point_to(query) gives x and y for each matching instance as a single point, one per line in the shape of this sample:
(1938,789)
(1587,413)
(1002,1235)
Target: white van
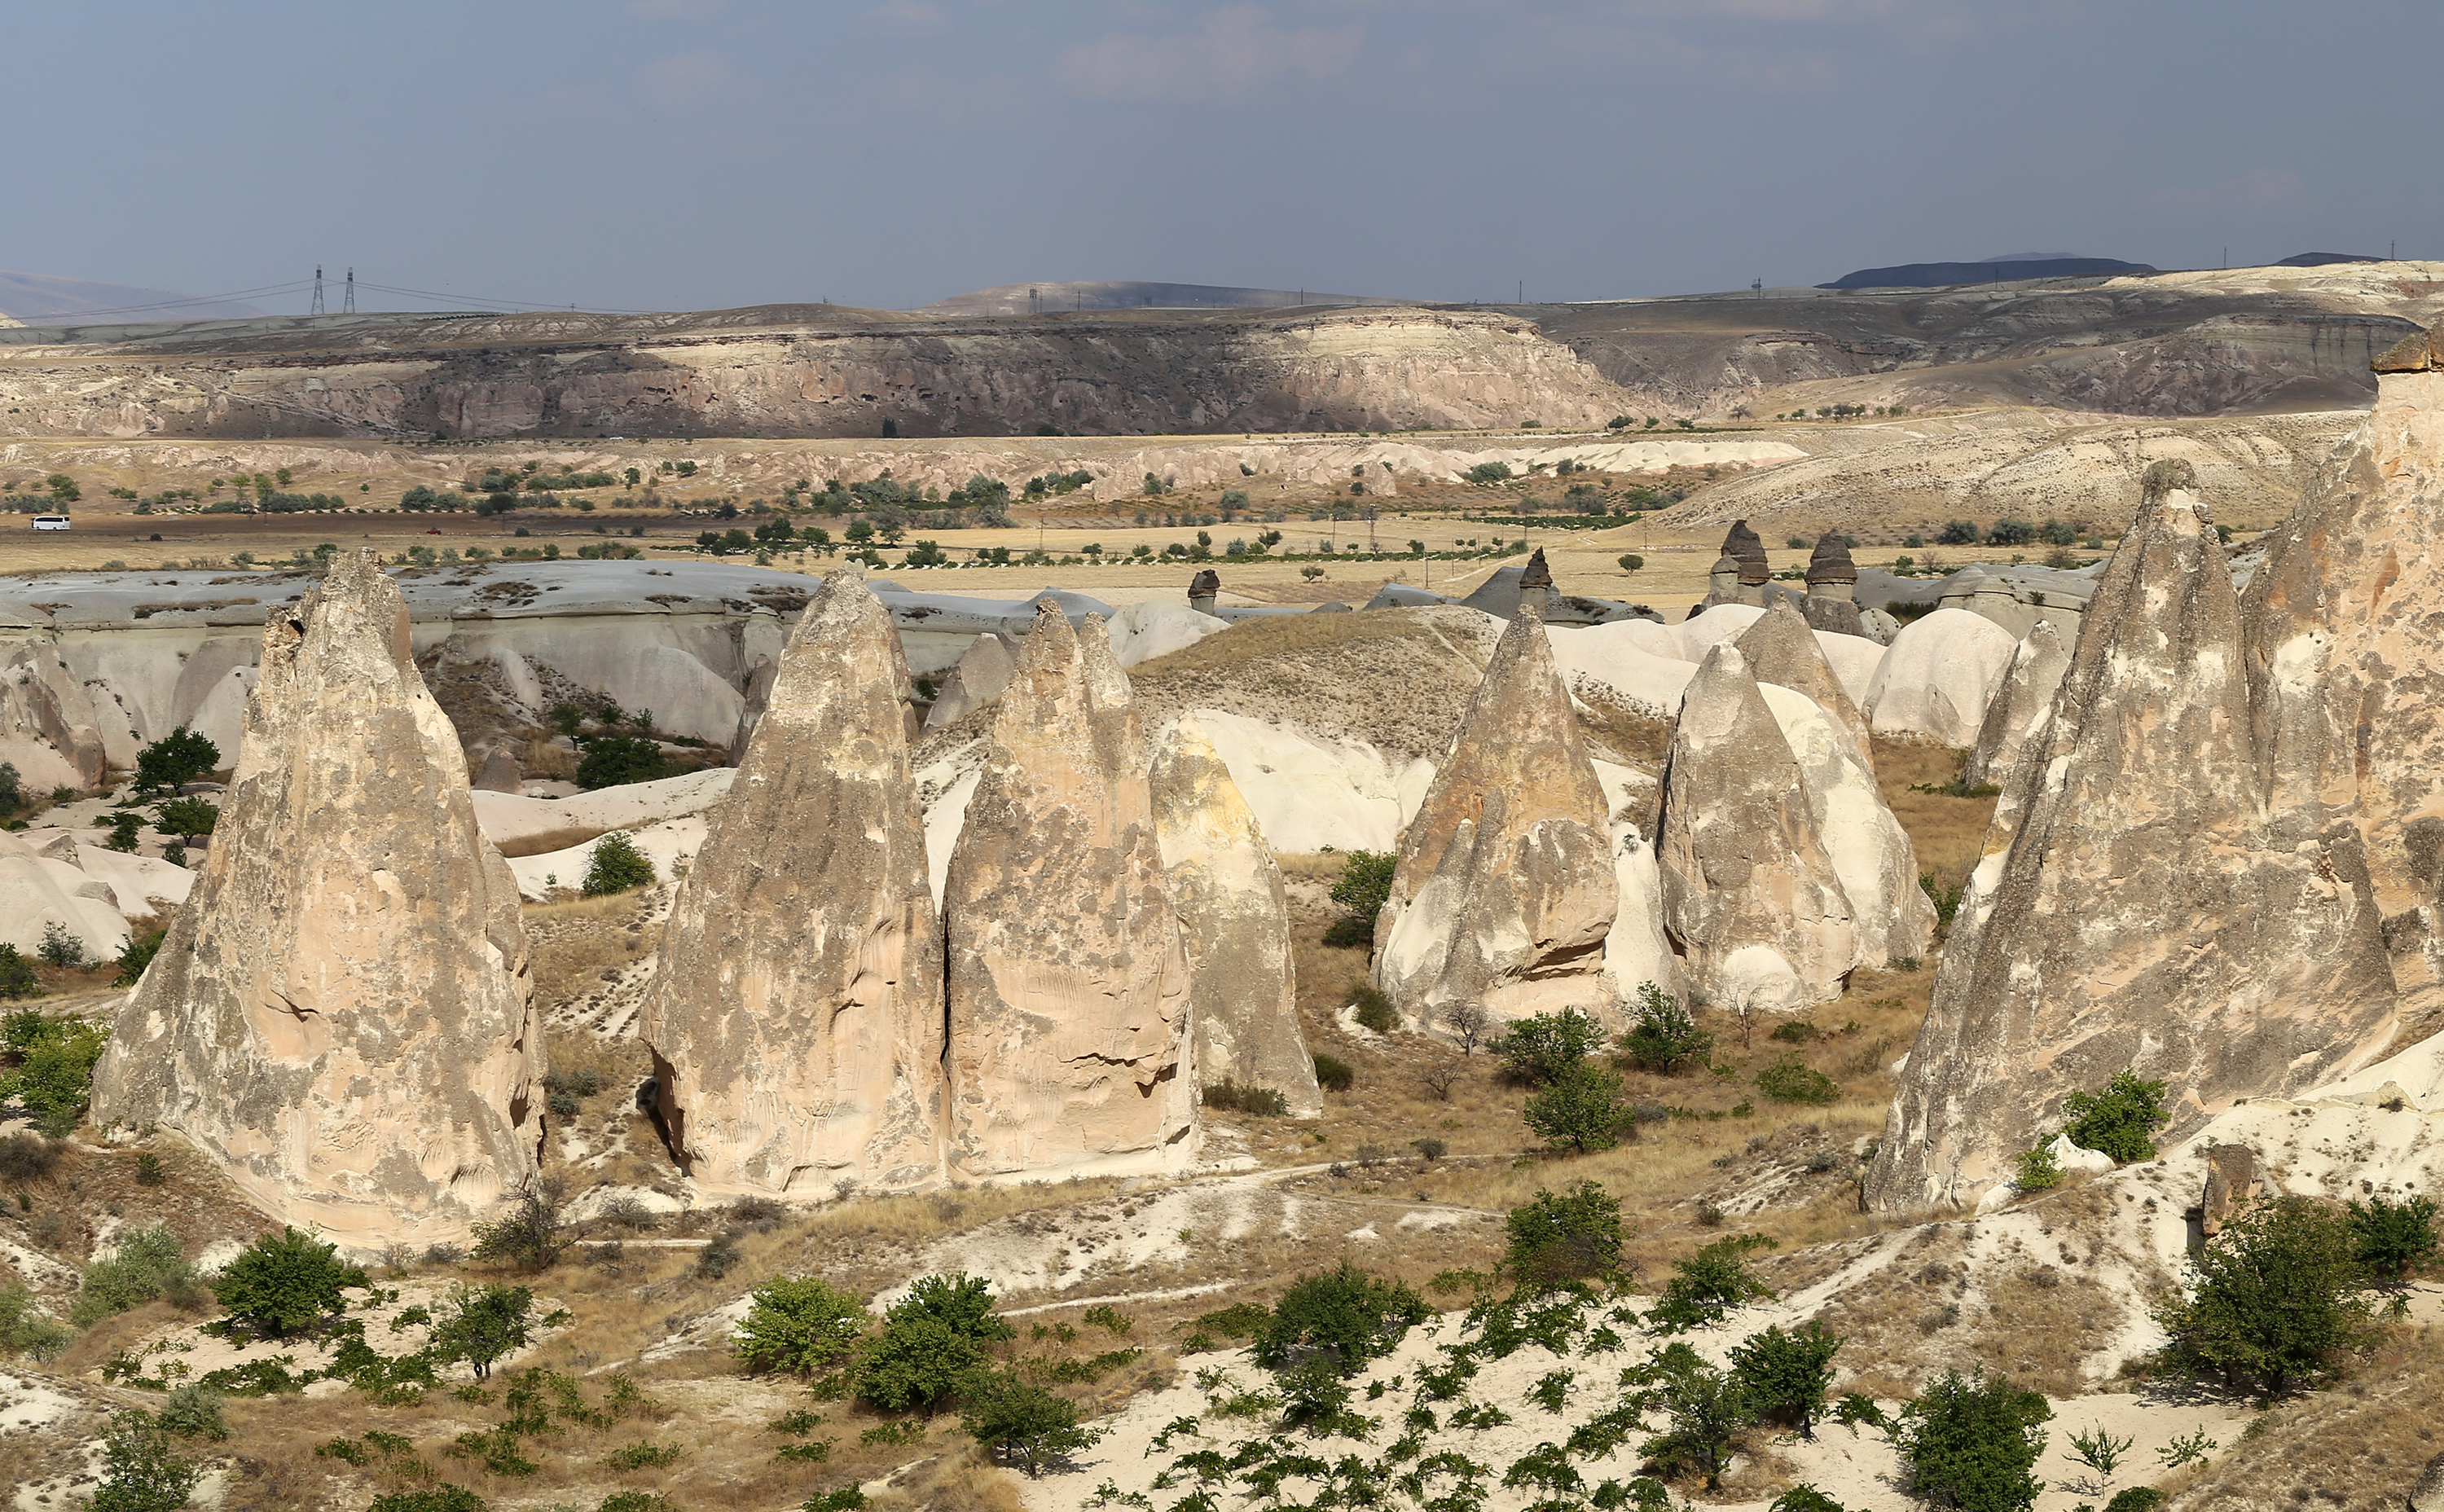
(50,521)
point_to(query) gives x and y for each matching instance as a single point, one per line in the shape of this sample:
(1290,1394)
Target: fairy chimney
(1203,590)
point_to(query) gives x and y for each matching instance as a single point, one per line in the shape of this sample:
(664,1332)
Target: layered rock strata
(1069,1042)
(1233,921)
(1505,887)
(796,1012)
(2142,904)
(339,1017)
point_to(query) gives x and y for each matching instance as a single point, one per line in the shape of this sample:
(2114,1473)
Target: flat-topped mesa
(1233,921)
(2151,910)
(1752,901)
(1504,889)
(1832,581)
(796,1010)
(1069,1047)
(340,1016)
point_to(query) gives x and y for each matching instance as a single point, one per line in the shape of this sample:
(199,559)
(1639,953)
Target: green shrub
(17,979)
(1333,1074)
(2273,1301)
(1540,1051)
(1584,1110)
(528,1235)
(643,1456)
(59,948)
(929,1343)
(2392,1238)
(141,1472)
(2118,1120)
(1373,1009)
(1664,1036)
(55,1076)
(1021,1423)
(1969,1442)
(1567,1236)
(286,1283)
(1709,1283)
(1343,1316)
(1705,1409)
(185,819)
(24,1330)
(2039,1169)
(614,865)
(1362,889)
(2136,1499)
(194,1411)
(177,758)
(444,1498)
(149,1264)
(1237,1097)
(483,1324)
(798,1325)
(614,761)
(137,955)
(1796,1081)
(1804,1497)
(1788,1375)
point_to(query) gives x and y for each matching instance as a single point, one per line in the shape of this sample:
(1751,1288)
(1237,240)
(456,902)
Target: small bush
(1795,1081)
(1789,1376)
(1971,1442)
(1571,1236)
(1582,1111)
(529,1236)
(1238,1097)
(284,1284)
(1542,1050)
(1709,1283)
(1343,1316)
(483,1324)
(27,1157)
(929,1344)
(2118,1120)
(141,1472)
(194,1411)
(2392,1238)
(1664,1037)
(643,1456)
(55,1075)
(24,1330)
(444,1498)
(1362,889)
(59,948)
(798,1325)
(1019,1422)
(614,761)
(1333,1074)
(149,1264)
(1374,1010)
(616,866)
(2039,1169)
(17,978)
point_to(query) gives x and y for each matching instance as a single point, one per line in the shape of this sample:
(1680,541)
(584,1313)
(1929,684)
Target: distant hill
(38,298)
(1043,299)
(1944,275)
(2324,259)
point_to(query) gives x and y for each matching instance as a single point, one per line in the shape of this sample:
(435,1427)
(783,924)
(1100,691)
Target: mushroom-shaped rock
(2027,691)
(2152,910)
(1505,887)
(1069,1047)
(1203,590)
(1937,677)
(1780,648)
(1747,547)
(795,1014)
(1829,567)
(340,1016)
(1233,922)
(1751,898)
(1536,584)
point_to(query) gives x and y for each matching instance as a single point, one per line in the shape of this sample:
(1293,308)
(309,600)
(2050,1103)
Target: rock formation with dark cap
(1505,886)
(1203,590)
(340,1016)
(795,1014)
(1069,1033)
(1832,578)
(1536,584)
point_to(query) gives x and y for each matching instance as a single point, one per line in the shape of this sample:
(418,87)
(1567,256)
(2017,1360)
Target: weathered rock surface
(38,890)
(1937,677)
(48,729)
(1069,1033)
(982,671)
(796,1010)
(1158,627)
(2027,691)
(1751,898)
(2231,1180)
(1781,647)
(1505,887)
(1233,922)
(1872,856)
(2151,908)
(340,1015)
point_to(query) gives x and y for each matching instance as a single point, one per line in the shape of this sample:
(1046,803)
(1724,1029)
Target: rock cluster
(1505,886)
(339,1014)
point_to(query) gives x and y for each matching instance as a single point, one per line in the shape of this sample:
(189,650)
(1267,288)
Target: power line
(176,304)
(317,291)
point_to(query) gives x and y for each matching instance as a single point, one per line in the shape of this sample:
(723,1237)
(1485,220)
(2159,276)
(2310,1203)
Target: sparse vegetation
(2120,1120)
(1664,1036)
(798,1325)
(286,1283)
(1574,1235)
(2273,1301)
(616,866)
(1971,1442)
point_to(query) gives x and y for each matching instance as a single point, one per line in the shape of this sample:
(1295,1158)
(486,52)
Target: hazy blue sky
(678,153)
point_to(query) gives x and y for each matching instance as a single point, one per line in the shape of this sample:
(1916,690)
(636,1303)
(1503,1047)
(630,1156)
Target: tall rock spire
(1069,1033)
(340,1015)
(796,1010)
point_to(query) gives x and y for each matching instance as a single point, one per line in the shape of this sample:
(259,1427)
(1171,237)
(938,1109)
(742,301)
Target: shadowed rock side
(796,1012)
(2149,910)
(2350,671)
(1069,993)
(48,728)
(1505,889)
(340,1015)
(1890,917)
(1782,648)
(1233,922)
(983,670)
(1750,897)
(2027,691)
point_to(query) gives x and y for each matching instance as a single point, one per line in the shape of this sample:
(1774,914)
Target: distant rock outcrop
(1069,1047)
(796,1010)
(48,729)
(2027,691)
(340,1015)
(2142,905)
(1234,923)
(1504,887)
(1751,898)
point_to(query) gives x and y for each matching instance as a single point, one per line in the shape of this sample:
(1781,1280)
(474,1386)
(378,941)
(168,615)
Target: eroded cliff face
(1069,1013)
(339,1017)
(796,1010)
(2142,904)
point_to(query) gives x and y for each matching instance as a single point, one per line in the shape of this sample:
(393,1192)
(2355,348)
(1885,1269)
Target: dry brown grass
(1948,833)
(552,840)
(963,1482)
(2357,1449)
(580,944)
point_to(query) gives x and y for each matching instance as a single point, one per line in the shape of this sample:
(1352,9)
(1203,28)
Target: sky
(641,155)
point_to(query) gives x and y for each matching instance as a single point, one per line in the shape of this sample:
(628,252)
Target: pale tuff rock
(1069,1044)
(1871,854)
(1233,921)
(1937,677)
(340,1015)
(2027,691)
(2151,910)
(1751,898)
(2231,1180)
(38,890)
(1157,627)
(796,1010)
(1505,887)
(1782,648)
(983,670)
(48,728)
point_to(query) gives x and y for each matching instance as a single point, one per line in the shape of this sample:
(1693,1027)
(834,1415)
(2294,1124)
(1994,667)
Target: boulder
(1751,898)
(982,671)
(1505,887)
(340,1016)
(1782,648)
(37,890)
(1872,856)
(2428,1495)
(2036,670)
(795,1014)
(1069,1042)
(1233,922)
(500,773)
(2151,911)
(1938,675)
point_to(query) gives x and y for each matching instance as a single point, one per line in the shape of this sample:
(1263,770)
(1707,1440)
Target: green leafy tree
(483,1324)
(12,791)
(17,978)
(930,1343)
(614,761)
(60,948)
(614,865)
(1572,1235)
(123,835)
(137,955)
(54,1076)
(2273,1301)
(177,758)
(1542,1050)
(189,818)
(2120,1120)
(799,1326)
(1343,1316)
(528,1235)
(141,1472)
(1663,1037)
(1971,1442)
(443,1498)
(25,1330)
(1021,1423)
(2392,1238)
(1582,1111)
(1709,1283)
(1362,888)
(286,1283)
(1705,1410)
(1789,1376)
